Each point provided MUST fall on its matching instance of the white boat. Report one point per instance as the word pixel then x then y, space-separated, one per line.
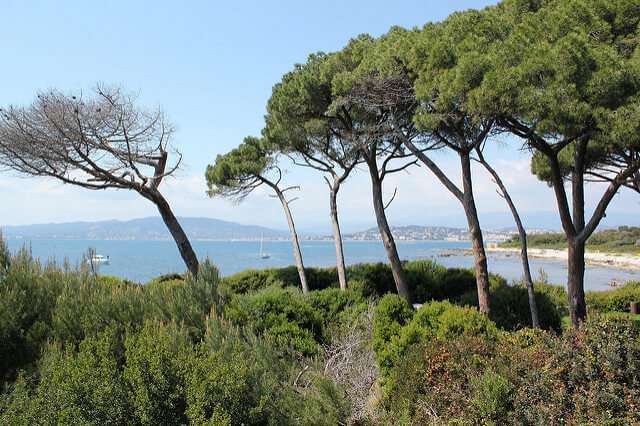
pixel 263 254
pixel 98 258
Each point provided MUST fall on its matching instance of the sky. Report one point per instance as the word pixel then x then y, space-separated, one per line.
pixel 210 66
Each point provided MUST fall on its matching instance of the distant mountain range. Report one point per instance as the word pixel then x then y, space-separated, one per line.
pixel 149 228
pixel 152 228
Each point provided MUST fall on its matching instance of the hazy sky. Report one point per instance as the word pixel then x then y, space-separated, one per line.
pixel 210 66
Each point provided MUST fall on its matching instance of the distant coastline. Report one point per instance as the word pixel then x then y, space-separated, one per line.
pixel 614 260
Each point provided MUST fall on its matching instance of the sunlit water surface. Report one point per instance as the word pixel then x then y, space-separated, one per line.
pixel 142 260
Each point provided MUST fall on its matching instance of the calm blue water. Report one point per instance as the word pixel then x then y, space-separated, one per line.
pixel 142 260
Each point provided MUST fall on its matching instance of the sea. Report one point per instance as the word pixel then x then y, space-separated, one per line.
pixel 142 260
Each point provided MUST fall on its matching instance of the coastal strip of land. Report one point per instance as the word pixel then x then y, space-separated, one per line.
pixel 615 260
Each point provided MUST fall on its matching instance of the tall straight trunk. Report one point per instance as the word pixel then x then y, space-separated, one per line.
pixel 575 281
pixel 576 245
pixel 524 255
pixel 337 236
pixel 297 254
pixel 179 236
pixel 385 232
pixel 477 243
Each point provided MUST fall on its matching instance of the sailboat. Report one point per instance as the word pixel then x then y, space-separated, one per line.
pixel 263 254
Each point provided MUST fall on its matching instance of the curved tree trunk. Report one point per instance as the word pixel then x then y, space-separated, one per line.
pixel 179 236
pixel 477 243
pixel 533 308
pixel 465 196
pixel 385 233
pixel 297 254
pixel 524 255
pixel 337 236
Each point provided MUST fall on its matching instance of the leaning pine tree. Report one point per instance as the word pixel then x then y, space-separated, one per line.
pixel 239 172
pixel 100 142
pixel 367 126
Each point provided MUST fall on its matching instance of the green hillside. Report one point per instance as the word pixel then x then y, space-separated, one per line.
pixel 625 239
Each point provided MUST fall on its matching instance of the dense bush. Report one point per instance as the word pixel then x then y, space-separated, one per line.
pixel 302 322
pixel 376 278
pixel 256 279
pixel 27 301
pixel 510 305
pixel 615 300
pixel 527 377
pixel 426 278
pixel 159 376
pixel 284 315
pixel 156 359
pixel 397 328
pixel 337 309
pixel 74 387
pixel 84 349
pixel 39 303
pixel 5 256
pixel 391 315
pixel 431 281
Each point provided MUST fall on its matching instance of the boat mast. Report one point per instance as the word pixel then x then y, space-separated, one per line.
pixel 261 240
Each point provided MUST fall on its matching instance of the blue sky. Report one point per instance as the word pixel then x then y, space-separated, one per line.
pixel 210 66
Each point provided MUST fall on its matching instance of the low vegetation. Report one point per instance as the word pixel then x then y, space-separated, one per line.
pixel 252 348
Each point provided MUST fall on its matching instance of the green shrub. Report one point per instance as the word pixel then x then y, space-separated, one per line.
pixel 589 376
pixel 257 279
pixel 397 328
pixel 431 281
pixel 492 396
pixel 614 300
pixel 87 307
pixel 155 362
pixel 220 388
pixel 318 278
pixel 40 303
pixel 251 280
pixel 336 308
pixel 86 387
pixel 377 276
pixel 187 303
pixel 427 280
pixel 555 293
pixel 391 314
pixel 171 278
pixel 430 383
pixel 121 353
pixel 510 305
pixel 27 300
pixel 240 378
pixel 284 315
pixel 5 256
pixel 511 311
pixel 445 321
